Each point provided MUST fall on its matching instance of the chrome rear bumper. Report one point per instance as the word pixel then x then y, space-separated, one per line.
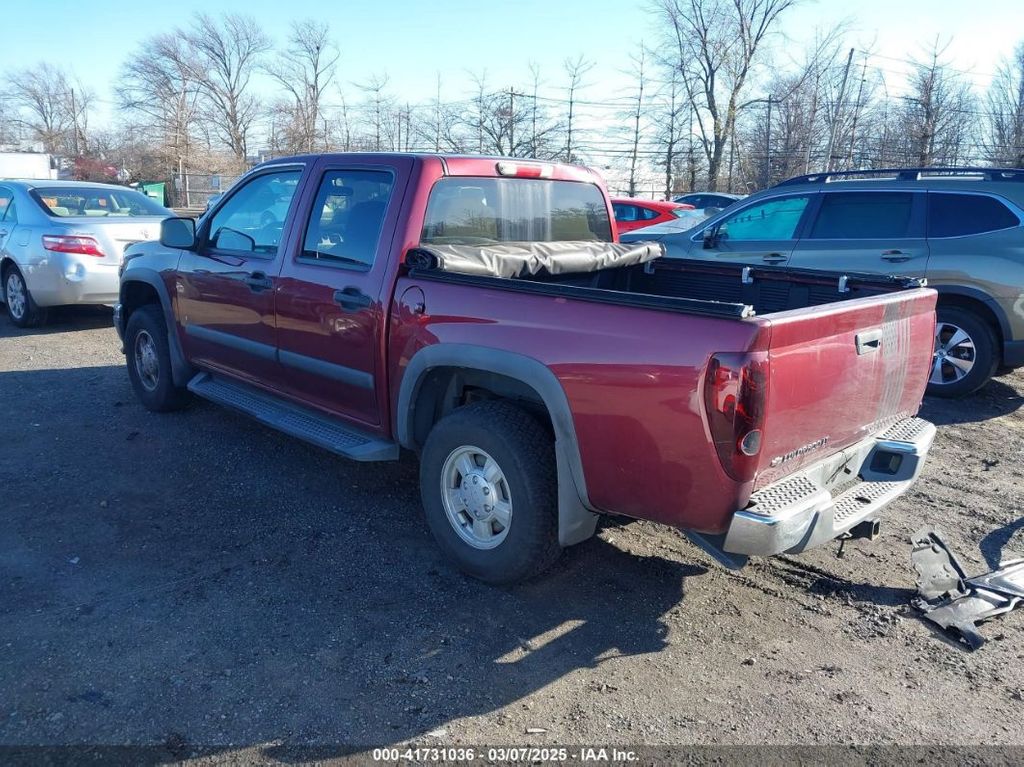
pixel 798 512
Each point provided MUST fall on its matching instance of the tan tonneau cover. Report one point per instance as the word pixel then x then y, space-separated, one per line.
pixel 519 259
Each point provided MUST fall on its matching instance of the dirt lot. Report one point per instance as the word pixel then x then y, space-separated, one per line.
pixel 196 579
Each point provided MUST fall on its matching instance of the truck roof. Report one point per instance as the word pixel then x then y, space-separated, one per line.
pixel 459 164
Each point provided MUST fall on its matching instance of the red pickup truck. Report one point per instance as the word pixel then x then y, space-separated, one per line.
pixel 479 312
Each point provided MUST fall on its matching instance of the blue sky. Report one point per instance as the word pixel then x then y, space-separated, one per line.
pixel 412 41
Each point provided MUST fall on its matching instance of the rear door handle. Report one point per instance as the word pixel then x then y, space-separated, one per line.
pixel 352 299
pixel 774 258
pixel 896 256
pixel 258 282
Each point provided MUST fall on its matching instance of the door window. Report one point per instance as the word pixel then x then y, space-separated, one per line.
pixel 252 219
pixel 774 219
pixel 5 201
pixel 648 214
pixel 347 217
pixel 624 212
pixel 863 216
pixel 954 215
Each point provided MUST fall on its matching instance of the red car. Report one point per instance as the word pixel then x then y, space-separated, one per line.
pixel 631 213
pixel 480 313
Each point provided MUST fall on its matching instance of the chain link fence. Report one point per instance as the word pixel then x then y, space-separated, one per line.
pixel 193 191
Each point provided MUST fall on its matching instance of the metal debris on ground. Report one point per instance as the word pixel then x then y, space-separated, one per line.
pixel 951 600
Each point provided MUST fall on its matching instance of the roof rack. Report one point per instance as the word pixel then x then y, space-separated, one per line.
pixel 908 174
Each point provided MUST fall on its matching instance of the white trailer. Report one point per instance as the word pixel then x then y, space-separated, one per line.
pixel 27 165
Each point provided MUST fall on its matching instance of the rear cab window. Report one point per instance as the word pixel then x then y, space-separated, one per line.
pixel 957 215
pixel 479 211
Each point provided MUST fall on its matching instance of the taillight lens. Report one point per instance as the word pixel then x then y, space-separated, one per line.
pixel 735 391
pixel 63 243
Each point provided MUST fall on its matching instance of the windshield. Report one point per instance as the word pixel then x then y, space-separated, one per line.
pixel 97 201
pixel 478 211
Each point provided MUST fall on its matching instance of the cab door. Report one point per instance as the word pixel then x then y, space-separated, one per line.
pixel 226 288
pixel 763 233
pixel 866 231
pixel 333 296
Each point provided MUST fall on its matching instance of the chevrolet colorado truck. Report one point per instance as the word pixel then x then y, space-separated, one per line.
pixel 480 312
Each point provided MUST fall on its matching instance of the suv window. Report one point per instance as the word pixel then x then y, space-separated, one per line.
pixel 347 217
pixel 252 219
pixel 476 211
pixel 954 215
pixel 863 216
pixel 774 219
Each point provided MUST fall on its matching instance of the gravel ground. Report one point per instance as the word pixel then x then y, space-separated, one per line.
pixel 194 578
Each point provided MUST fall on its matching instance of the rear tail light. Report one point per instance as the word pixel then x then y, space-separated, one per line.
pixel 61 243
pixel 735 391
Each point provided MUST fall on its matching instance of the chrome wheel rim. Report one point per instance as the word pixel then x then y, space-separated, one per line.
pixel 954 356
pixel 15 292
pixel 476 495
pixel 147 364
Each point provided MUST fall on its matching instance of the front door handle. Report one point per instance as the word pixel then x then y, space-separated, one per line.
pixel 352 299
pixel 895 256
pixel 258 282
pixel 774 258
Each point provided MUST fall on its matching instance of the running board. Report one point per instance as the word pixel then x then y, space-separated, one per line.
pixel 304 423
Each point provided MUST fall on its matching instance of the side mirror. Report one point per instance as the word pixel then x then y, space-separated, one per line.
pixel 178 233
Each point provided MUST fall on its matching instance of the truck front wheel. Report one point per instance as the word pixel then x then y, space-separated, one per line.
pixel 489 489
pixel 149 360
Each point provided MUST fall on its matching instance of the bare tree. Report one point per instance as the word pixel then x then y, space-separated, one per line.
pixel 378 107
pixel 305 69
pixel 43 103
pixel 223 56
pixel 638 76
pixel 936 119
pixel 1004 142
pixel 161 98
pixel 576 69
pixel 715 47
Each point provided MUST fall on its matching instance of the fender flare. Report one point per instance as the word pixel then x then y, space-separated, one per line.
pixel 576 520
pixel 181 371
pixel 982 298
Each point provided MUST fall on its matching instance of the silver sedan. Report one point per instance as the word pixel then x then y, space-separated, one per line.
pixel 62 242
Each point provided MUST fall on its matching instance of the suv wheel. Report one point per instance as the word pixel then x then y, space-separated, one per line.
pixel 149 360
pixel 489 489
pixel 965 353
pixel 21 307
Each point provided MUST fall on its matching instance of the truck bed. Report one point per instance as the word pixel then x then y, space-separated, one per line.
pixel 844 358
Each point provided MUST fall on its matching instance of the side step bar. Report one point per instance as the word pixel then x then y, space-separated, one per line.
pixel 304 423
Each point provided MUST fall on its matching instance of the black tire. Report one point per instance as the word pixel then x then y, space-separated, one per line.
pixel 31 314
pixel 984 355
pixel 152 382
pixel 525 453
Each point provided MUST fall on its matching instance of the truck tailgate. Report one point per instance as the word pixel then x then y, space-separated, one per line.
pixel 840 372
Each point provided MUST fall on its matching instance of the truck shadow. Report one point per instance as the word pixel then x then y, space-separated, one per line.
pixel 993 400
pixel 197 579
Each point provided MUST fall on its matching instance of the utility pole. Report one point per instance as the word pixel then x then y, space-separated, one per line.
pixel 768 146
pixel 511 122
pixel 856 112
pixel 74 119
pixel 838 110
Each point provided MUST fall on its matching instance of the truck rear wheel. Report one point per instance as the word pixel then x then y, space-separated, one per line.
pixel 489 486
pixel 149 360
